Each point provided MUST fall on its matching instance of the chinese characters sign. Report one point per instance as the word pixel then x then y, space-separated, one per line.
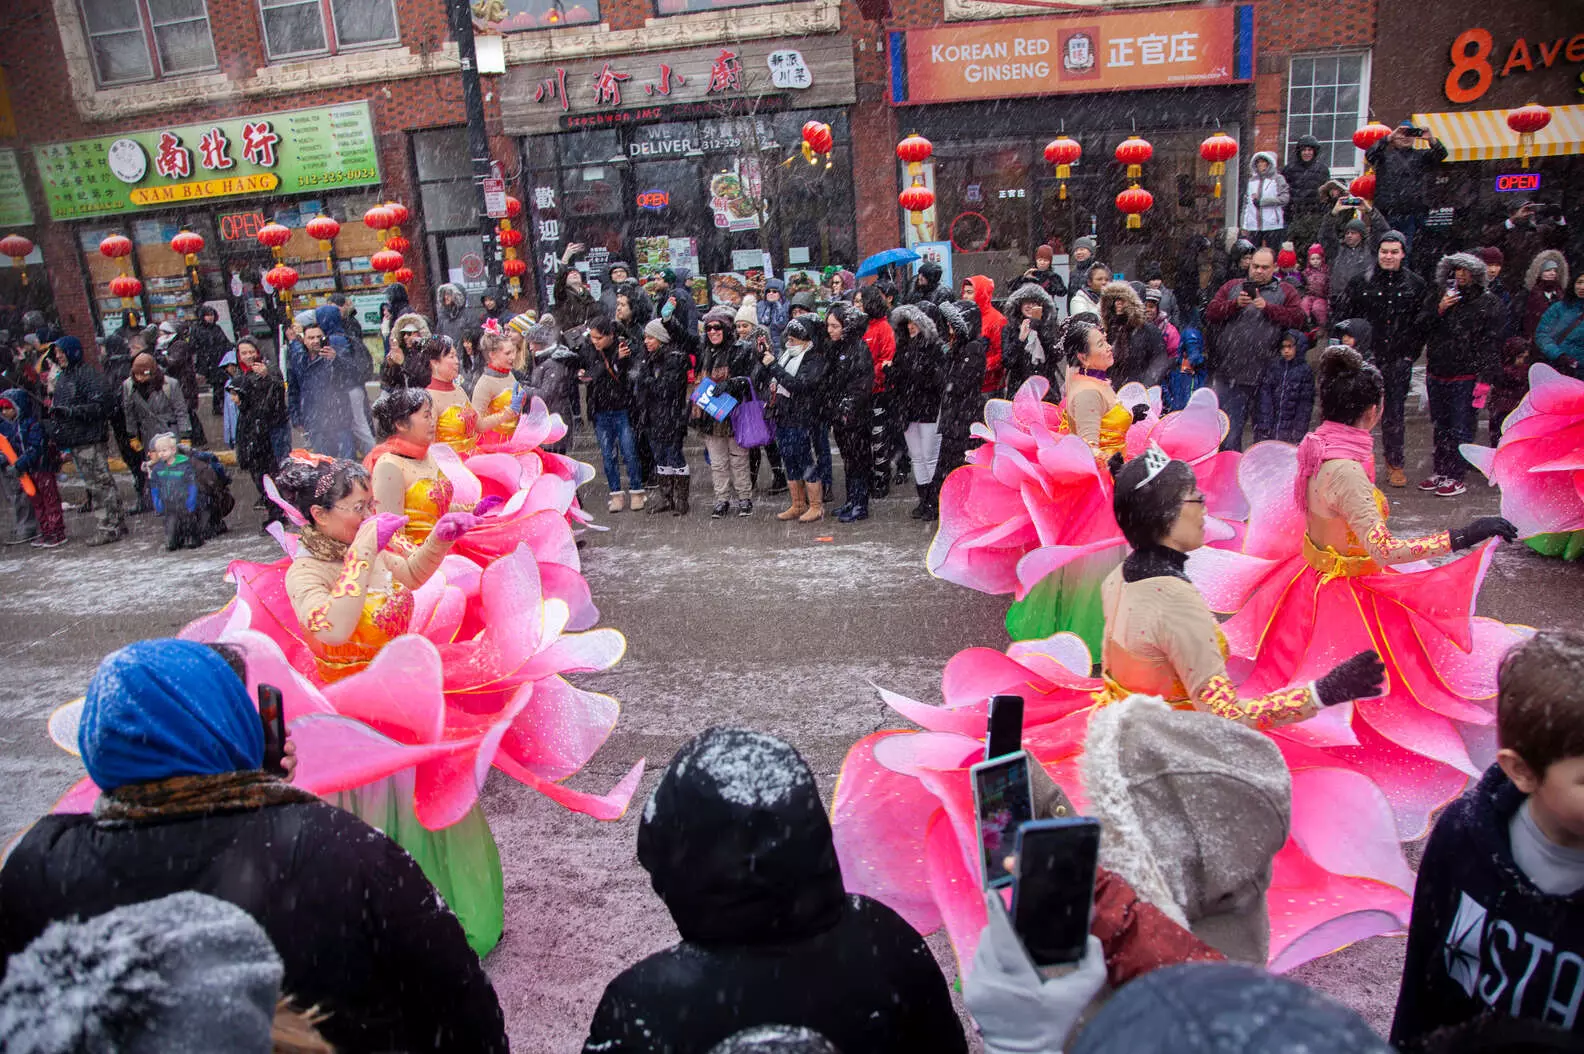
pixel 15 211
pixel 290 152
pixel 1178 47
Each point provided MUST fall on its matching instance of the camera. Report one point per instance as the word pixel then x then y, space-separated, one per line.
pixel 1415 131
pixel 1352 200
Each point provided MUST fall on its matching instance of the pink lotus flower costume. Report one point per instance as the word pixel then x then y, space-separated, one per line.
pixel 1539 464
pixel 1030 514
pixel 905 798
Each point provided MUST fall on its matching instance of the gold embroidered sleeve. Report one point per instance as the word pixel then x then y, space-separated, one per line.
pixel 1386 548
pixel 412 566
pixel 329 609
pixel 1219 696
pixel 1354 496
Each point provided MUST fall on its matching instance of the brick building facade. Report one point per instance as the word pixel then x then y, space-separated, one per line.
pixel 830 217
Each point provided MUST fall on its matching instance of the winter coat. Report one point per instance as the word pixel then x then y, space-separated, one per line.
pixel 1139 348
pixel 991 322
pixel 450 322
pixel 1465 341
pixel 1542 294
pixel 358 366
pixel 849 372
pixel 1286 400
pixel 1523 240
pixel 261 410
pixel 209 345
pixel 962 401
pixel 1390 301
pixel 1363 335
pixel 174 487
pixel 552 376
pixel 916 376
pixel 643 307
pixel 930 289
pixel 881 343
pixel 769 936
pixel 1249 337
pixel 1401 174
pixel 804 407
pixel 1179 385
pixel 1548 335
pixel 571 309
pixel 1347 262
pixel 1317 281
pixel 1480 927
pixel 1304 179
pixel 322 385
pixel 29 441
pixel 1049 281
pixel 360 931
pixel 660 391
pixel 176 357
pixel 82 405
pixel 678 304
pixel 1083 300
pixel 1265 197
pixel 1018 355
pixel 1511 382
pixel 773 316
pixel 741 361
pixel 610 385
pixel 161 409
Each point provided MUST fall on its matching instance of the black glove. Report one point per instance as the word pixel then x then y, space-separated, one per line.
pixel 1140 412
pixel 1115 463
pixel 1357 678
pixel 1480 529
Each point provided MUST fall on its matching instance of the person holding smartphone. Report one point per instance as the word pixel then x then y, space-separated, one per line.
pixel 1404 163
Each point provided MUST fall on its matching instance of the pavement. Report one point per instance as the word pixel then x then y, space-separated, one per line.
pixel 782 628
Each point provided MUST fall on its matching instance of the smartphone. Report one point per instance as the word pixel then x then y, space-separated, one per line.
pixel 1250 290
pixel 1452 287
pixel 1005 732
pixel 1352 199
pixel 1053 892
pixel 1003 800
pixel 272 715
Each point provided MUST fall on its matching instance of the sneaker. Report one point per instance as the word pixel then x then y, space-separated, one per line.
pixel 745 507
pixel 1450 488
pixel 43 543
pixel 23 541
pixel 1431 483
pixel 720 510
pixel 1396 476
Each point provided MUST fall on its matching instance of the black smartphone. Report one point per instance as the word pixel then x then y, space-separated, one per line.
pixel 1005 732
pixel 1250 290
pixel 1053 891
pixel 272 715
pixel 1352 199
pixel 1003 801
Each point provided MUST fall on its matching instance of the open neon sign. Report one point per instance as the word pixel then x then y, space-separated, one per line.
pixel 1511 181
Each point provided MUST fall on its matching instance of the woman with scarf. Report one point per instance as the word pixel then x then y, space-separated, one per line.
pixel 436 370
pixel 916 378
pixel 496 393
pixel 849 371
pixel 797 375
pixel 260 400
pixel 173 740
pixel 405 478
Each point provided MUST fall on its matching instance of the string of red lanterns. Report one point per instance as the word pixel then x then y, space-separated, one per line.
pixel 817 139
pixel 509 239
pixel 1064 153
pixel 916 198
pixel 1218 150
pixel 1135 200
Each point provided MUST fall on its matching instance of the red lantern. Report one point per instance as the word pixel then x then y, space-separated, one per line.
pixel 915 150
pixel 126 287
pixel 514 268
pixel 379 218
pixel 513 207
pixel 188 244
pixel 1133 152
pixel 323 228
pixel 399 213
pixel 916 199
pixel 18 248
pixel 510 239
pixel 396 243
pixel 1370 134
pixel 402 275
pixel 1363 186
pixel 1218 150
pixel 1526 121
pixel 1063 153
pixel 386 260
pixel 281 279
pixel 817 139
pixel 274 235
pixel 115 247
pixel 1135 201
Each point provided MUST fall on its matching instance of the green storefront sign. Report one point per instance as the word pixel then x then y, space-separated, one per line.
pixel 289 152
pixel 15 211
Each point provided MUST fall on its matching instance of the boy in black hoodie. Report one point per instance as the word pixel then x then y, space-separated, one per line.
pixel 1498 913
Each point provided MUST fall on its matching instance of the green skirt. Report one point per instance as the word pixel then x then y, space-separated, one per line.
pixel 1569 545
pixel 461 861
pixel 1068 601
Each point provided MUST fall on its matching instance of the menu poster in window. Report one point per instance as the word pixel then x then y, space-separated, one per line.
pixel 802 279
pixel 685 253
pixel 728 287
pixel 936 253
pixel 736 196
pixel 15 209
pixel 651 253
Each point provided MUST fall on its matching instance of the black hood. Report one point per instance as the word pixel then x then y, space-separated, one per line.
pixel 1312 143
pixel 737 843
pixel 931 272
pixel 1359 329
pixel 972 325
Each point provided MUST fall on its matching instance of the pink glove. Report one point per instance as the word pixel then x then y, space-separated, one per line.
pixel 454 525
pixel 1480 392
pixel 386 526
pixel 488 505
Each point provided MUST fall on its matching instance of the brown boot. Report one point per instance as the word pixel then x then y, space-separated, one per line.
pixel 635 500
pixel 816 503
pixel 799 501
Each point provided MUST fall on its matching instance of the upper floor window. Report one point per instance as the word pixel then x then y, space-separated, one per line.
pixel 138 40
pixel 296 28
pixel 687 7
pixel 1328 98
pixel 547 14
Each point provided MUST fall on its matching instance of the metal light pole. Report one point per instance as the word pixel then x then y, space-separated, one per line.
pixel 478 138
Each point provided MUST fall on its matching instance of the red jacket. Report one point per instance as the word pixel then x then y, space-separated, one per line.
pixel 991 322
pixel 1139 937
pixel 882 348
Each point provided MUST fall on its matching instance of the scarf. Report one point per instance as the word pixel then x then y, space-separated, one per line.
pixel 791 361
pixel 493 372
pixel 1154 561
pixel 321 546
pixel 1036 349
pixel 187 796
pixel 398 446
pixel 1098 375
pixel 1330 442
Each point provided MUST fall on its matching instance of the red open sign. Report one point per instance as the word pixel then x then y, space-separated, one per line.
pixel 235 226
pixel 654 199
pixel 1517 181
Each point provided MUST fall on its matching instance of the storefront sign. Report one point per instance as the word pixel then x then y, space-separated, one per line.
pixel 653 200
pixel 289 152
pixel 743 77
pixel 495 198
pixel 1512 181
pixel 15 209
pixel 1475 55
pixel 1179 47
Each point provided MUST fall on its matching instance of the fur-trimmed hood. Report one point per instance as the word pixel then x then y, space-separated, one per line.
pixel 1453 261
pixel 1268 156
pixel 1029 292
pixel 962 318
pixel 900 316
pixel 412 320
pixel 1532 275
pixel 1118 290
pixel 1194 809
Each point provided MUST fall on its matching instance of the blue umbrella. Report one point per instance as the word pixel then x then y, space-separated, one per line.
pixel 885 259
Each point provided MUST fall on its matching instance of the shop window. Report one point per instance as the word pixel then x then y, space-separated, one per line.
pixel 137 40
pixel 524 15
pixel 295 28
pixel 450 203
pixel 1328 98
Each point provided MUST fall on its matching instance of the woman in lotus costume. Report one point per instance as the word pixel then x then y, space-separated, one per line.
pixel 496 397
pixel 436 369
pixel 1539 464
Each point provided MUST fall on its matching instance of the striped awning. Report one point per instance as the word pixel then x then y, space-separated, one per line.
pixel 1483 135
